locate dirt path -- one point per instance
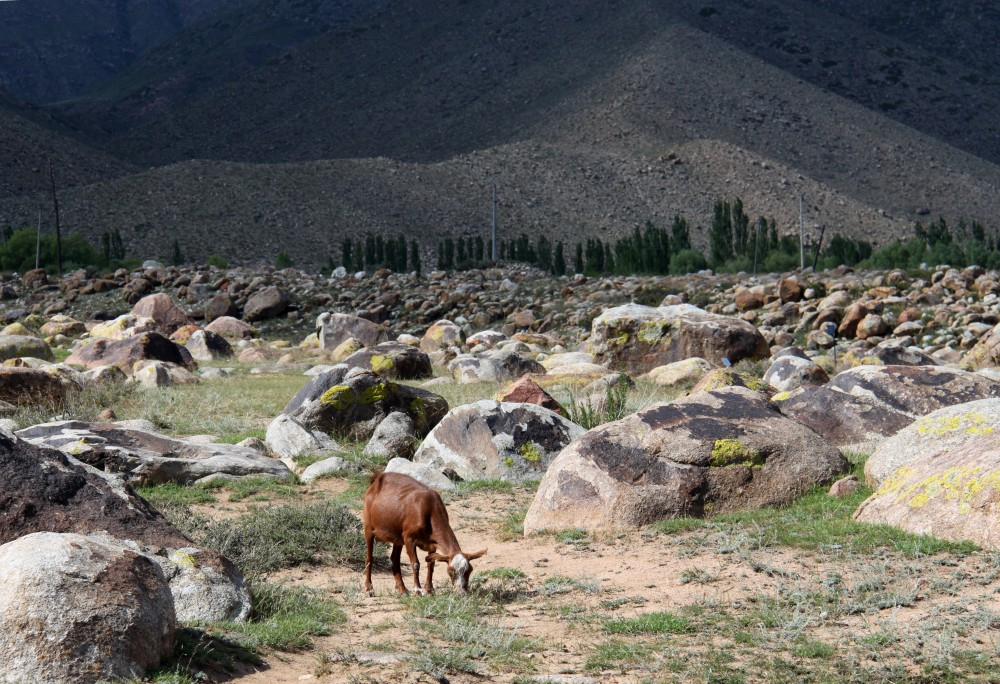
(565, 589)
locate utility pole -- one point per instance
(494, 256)
(756, 244)
(55, 206)
(819, 246)
(38, 237)
(802, 243)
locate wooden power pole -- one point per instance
(55, 208)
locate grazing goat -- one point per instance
(406, 513)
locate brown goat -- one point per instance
(408, 514)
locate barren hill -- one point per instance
(590, 117)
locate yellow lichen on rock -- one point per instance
(376, 392)
(969, 423)
(338, 396)
(530, 452)
(960, 483)
(726, 452)
(382, 363)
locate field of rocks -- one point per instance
(709, 478)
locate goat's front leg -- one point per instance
(429, 586)
(369, 551)
(411, 553)
(397, 572)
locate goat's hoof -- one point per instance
(418, 592)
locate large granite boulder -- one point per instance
(63, 325)
(680, 374)
(288, 438)
(48, 491)
(893, 353)
(351, 402)
(395, 437)
(233, 329)
(123, 327)
(492, 366)
(713, 452)
(161, 308)
(985, 353)
(842, 419)
(78, 610)
(333, 329)
(915, 390)
(952, 494)
(21, 346)
(147, 458)
(392, 360)
(491, 440)
(220, 305)
(270, 302)
(126, 353)
(637, 339)
(946, 429)
(527, 391)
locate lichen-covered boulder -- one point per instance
(392, 360)
(441, 335)
(915, 390)
(126, 353)
(682, 374)
(492, 366)
(48, 491)
(952, 494)
(636, 338)
(840, 418)
(718, 378)
(892, 353)
(21, 346)
(204, 345)
(985, 353)
(123, 327)
(288, 438)
(491, 440)
(943, 430)
(63, 325)
(713, 452)
(78, 610)
(333, 329)
(351, 402)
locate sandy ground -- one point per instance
(616, 575)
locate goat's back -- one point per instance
(395, 500)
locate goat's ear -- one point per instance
(438, 557)
(477, 554)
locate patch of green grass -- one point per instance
(257, 433)
(266, 539)
(487, 486)
(256, 488)
(811, 648)
(173, 494)
(195, 650)
(501, 585)
(819, 521)
(560, 584)
(571, 536)
(614, 405)
(285, 618)
(615, 654)
(679, 525)
(649, 623)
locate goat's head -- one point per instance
(459, 567)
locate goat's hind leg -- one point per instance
(397, 572)
(369, 552)
(411, 553)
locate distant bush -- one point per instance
(217, 261)
(687, 261)
(283, 259)
(17, 253)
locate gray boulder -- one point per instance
(65, 495)
(147, 458)
(713, 452)
(351, 402)
(73, 609)
(422, 472)
(441, 335)
(395, 437)
(335, 328)
(287, 438)
(637, 339)
(328, 466)
(497, 440)
(20, 346)
(492, 366)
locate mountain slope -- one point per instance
(52, 49)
